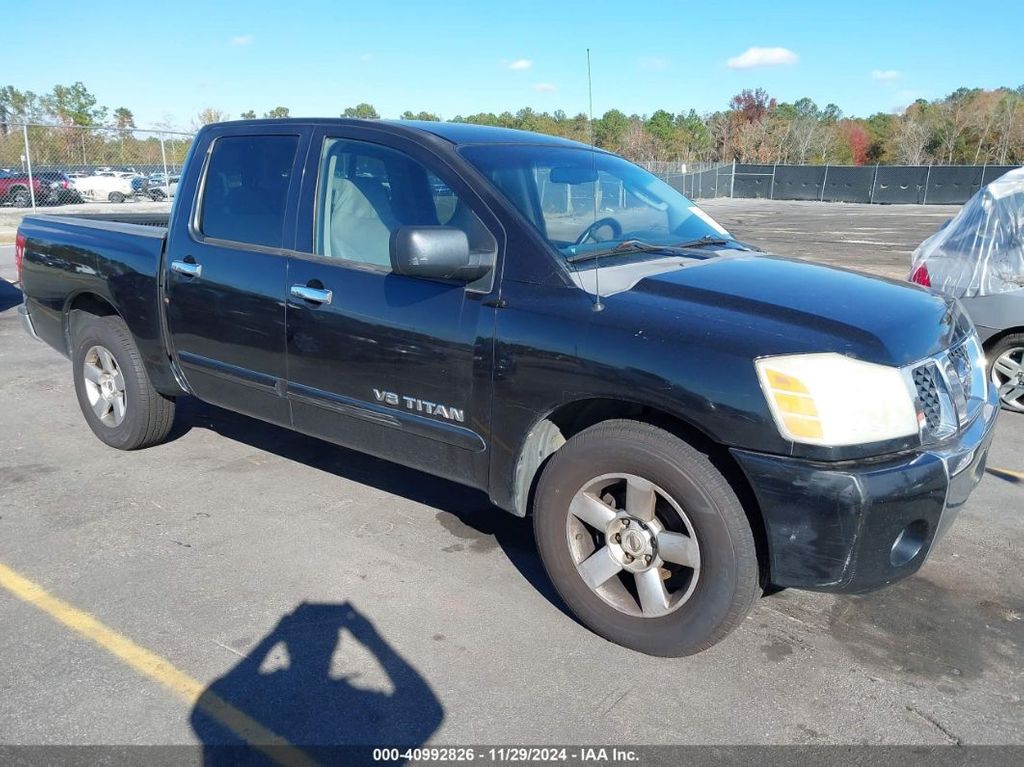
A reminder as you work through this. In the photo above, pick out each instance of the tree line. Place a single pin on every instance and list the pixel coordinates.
(968, 126)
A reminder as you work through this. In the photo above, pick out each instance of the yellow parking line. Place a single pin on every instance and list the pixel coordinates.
(154, 667)
(1006, 473)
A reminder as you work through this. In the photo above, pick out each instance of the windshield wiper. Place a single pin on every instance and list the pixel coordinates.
(626, 246)
(707, 239)
(639, 246)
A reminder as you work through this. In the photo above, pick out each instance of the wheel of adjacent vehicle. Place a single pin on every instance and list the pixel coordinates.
(645, 540)
(116, 197)
(115, 394)
(21, 197)
(1006, 370)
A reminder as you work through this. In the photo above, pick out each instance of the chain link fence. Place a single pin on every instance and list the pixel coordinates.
(884, 184)
(50, 165)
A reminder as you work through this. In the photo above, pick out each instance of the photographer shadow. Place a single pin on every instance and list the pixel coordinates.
(327, 684)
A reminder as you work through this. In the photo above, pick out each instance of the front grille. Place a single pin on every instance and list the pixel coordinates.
(961, 360)
(950, 388)
(928, 395)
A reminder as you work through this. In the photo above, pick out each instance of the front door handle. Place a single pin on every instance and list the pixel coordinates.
(314, 295)
(187, 268)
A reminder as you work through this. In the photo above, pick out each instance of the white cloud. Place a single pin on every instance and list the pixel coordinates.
(518, 64)
(885, 75)
(762, 57)
(545, 87)
(655, 63)
(242, 40)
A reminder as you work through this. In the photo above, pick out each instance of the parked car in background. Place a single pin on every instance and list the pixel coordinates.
(18, 189)
(115, 186)
(162, 191)
(60, 188)
(978, 257)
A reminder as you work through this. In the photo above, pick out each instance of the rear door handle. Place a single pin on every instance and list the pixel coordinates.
(186, 268)
(314, 295)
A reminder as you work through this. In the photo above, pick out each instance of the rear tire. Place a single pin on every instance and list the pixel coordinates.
(21, 197)
(116, 197)
(685, 510)
(1006, 371)
(117, 399)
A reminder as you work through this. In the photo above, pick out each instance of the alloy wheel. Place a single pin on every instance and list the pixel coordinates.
(104, 386)
(1008, 377)
(633, 545)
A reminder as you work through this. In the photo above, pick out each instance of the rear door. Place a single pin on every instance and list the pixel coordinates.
(389, 364)
(226, 281)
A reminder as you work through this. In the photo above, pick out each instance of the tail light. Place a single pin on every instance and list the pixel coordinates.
(921, 276)
(19, 253)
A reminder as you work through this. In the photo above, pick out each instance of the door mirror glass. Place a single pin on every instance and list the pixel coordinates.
(436, 252)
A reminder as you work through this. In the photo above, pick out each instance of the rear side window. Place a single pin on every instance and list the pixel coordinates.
(246, 189)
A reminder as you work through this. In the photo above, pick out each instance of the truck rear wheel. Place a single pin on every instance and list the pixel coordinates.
(117, 399)
(645, 540)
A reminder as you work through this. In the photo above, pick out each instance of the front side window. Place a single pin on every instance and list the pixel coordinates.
(245, 191)
(367, 191)
(583, 201)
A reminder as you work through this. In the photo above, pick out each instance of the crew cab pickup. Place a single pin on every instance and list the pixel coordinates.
(687, 420)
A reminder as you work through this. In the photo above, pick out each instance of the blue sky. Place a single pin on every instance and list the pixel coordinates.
(457, 57)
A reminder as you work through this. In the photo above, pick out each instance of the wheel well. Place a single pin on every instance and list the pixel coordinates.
(82, 306)
(993, 340)
(559, 426)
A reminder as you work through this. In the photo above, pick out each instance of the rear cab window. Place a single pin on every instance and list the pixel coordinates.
(245, 189)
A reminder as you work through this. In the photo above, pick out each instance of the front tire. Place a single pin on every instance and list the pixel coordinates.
(1006, 371)
(116, 198)
(114, 392)
(645, 540)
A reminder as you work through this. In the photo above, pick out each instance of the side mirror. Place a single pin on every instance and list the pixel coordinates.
(436, 252)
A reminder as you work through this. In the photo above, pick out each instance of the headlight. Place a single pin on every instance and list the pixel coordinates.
(829, 399)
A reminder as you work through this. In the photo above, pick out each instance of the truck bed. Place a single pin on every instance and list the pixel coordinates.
(148, 218)
(111, 259)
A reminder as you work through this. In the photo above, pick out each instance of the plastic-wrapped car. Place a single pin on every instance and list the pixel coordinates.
(978, 257)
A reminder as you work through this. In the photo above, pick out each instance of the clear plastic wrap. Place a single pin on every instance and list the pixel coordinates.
(981, 250)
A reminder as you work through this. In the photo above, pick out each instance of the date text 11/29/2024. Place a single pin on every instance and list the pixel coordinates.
(503, 754)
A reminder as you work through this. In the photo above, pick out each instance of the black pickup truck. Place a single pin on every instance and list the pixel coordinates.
(688, 421)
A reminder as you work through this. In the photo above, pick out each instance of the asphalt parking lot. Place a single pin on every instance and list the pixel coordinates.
(239, 549)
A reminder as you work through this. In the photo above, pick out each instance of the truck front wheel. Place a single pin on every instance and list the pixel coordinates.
(115, 394)
(645, 540)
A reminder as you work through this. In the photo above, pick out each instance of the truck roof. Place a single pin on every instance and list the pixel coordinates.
(454, 133)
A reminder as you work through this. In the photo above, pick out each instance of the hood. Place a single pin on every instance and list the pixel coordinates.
(789, 306)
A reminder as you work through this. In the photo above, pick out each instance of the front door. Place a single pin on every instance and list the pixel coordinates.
(227, 276)
(389, 364)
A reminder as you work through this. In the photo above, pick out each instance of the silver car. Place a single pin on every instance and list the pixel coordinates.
(978, 257)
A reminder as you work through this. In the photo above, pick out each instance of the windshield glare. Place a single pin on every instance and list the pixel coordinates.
(584, 201)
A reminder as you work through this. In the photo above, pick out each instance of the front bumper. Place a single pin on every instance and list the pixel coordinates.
(861, 525)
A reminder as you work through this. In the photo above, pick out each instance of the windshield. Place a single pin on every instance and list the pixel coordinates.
(583, 201)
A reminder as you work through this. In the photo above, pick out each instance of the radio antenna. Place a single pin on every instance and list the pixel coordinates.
(598, 306)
